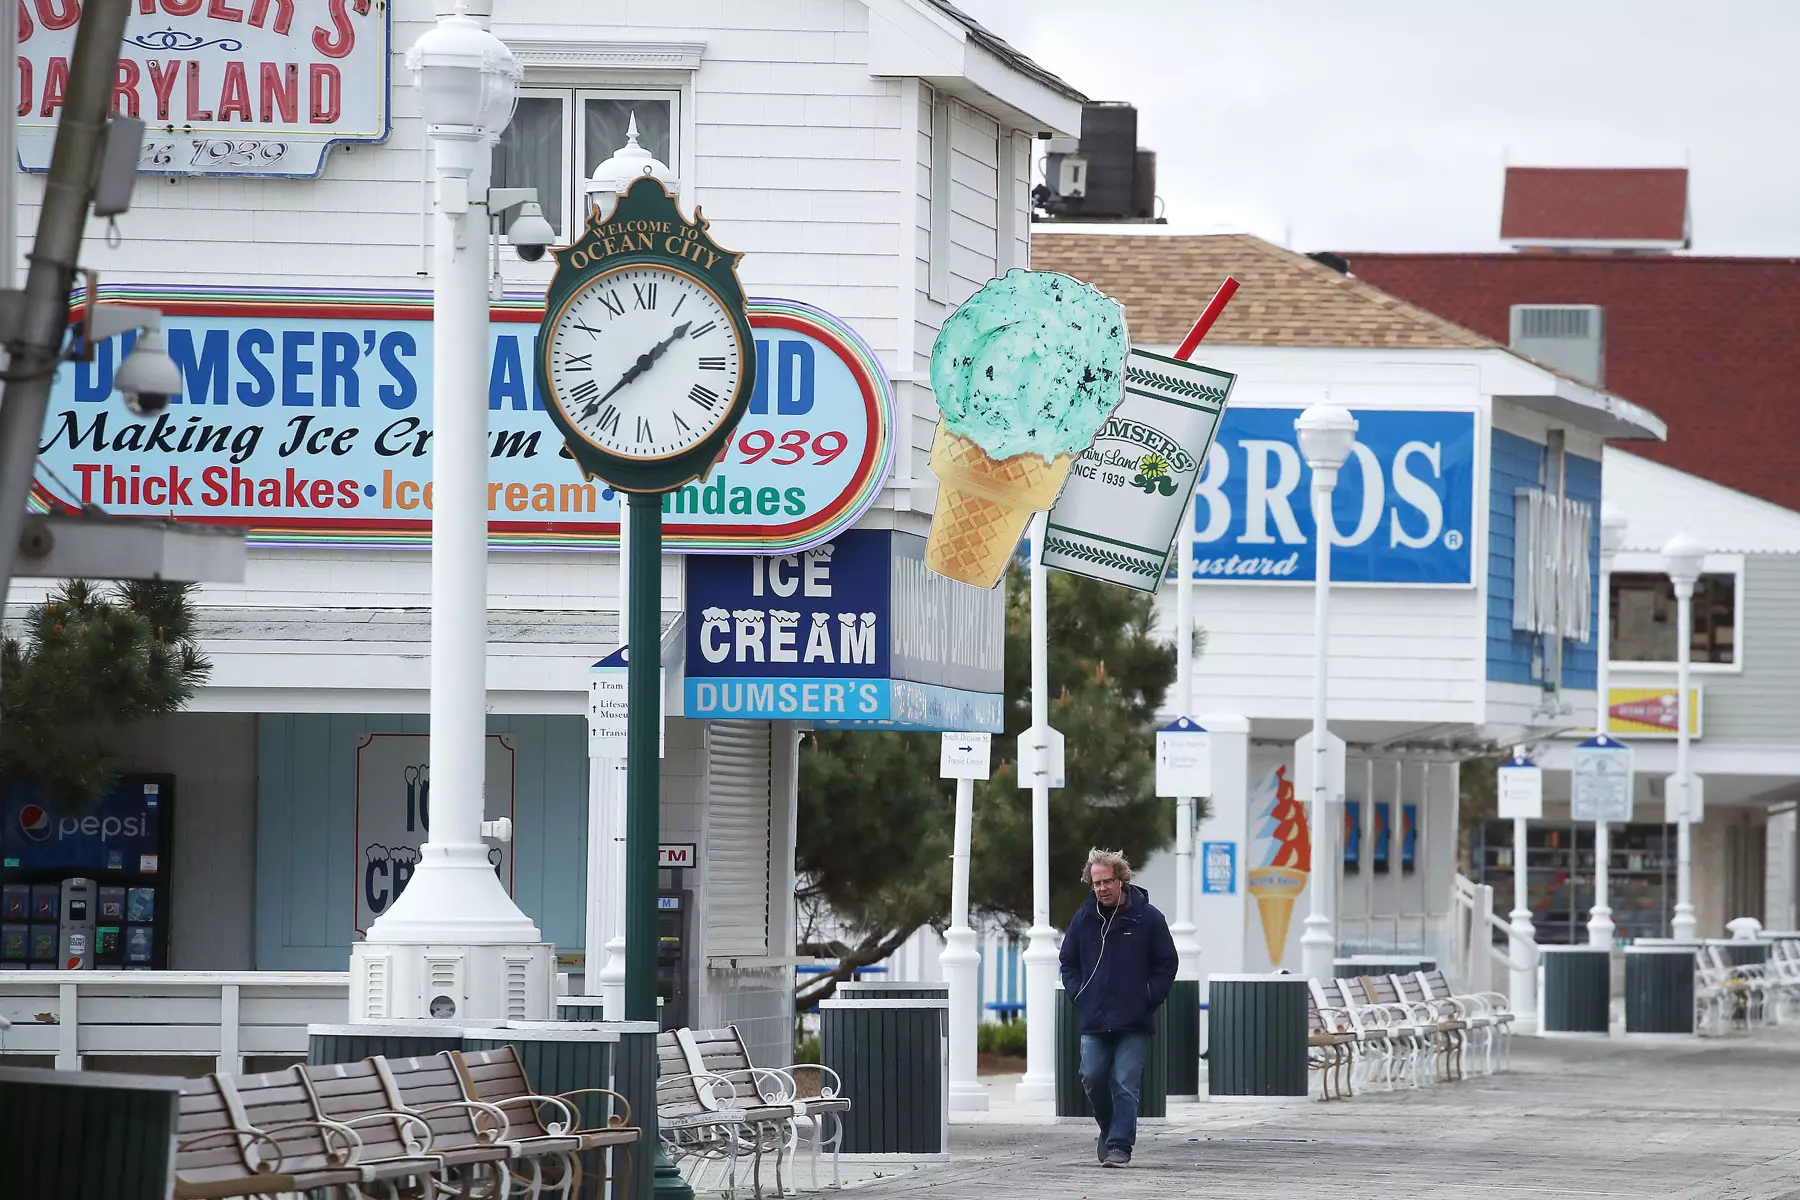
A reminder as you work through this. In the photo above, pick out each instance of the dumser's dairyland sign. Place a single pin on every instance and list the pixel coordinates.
(245, 87)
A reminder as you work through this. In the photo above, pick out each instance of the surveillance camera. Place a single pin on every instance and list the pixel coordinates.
(530, 234)
(148, 378)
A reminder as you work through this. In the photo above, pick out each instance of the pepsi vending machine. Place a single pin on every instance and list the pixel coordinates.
(85, 888)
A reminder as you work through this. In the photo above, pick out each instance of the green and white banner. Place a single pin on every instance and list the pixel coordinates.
(1116, 518)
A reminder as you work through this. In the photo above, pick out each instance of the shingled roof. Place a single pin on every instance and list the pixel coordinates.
(1285, 299)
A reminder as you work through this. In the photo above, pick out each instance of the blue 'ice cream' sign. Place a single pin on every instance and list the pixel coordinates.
(1404, 508)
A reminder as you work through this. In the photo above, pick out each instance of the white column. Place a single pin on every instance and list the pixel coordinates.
(1683, 925)
(1524, 970)
(1318, 944)
(1041, 957)
(611, 978)
(1612, 533)
(961, 962)
(1187, 946)
(454, 896)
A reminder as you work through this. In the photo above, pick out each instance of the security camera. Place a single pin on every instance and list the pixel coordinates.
(148, 378)
(530, 234)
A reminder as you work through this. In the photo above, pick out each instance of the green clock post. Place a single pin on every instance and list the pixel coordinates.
(646, 363)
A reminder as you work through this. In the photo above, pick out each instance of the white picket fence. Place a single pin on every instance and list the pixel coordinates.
(224, 1017)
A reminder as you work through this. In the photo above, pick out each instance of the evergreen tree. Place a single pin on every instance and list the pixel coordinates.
(876, 822)
(92, 658)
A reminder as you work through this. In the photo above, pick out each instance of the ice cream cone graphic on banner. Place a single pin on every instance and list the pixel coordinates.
(1025, 372)
(1283, 858)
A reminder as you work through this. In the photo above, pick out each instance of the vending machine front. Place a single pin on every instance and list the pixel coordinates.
(86, 884)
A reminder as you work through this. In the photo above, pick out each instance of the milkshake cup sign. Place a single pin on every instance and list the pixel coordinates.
(1128, 491)
(1282, 852)
(1025, 373)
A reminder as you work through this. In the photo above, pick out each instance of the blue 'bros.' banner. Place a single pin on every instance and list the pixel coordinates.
(1403, 510)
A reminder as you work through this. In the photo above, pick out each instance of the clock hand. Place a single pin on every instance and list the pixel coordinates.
(644, 363)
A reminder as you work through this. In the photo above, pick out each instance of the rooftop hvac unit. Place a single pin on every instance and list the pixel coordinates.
(1103, 176)
(1569, 337)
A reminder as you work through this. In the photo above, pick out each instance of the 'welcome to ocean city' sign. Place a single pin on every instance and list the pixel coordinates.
(853, 632)
(1403, 510)
(246, 87)
(307, 418)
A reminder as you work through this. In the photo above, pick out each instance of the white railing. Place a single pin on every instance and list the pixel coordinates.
(1473, 953)
(223, 1016)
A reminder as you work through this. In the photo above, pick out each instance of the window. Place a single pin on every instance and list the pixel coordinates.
(559, 135)
(1644, 612)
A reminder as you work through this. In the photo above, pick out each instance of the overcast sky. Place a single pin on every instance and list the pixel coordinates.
(1387, 124)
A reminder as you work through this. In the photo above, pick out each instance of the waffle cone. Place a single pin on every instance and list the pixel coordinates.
(1275, 889)
(983, 504)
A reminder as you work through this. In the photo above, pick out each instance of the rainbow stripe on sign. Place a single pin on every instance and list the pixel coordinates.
(306, 420)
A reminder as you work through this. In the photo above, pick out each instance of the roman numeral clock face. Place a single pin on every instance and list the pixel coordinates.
(644, 363)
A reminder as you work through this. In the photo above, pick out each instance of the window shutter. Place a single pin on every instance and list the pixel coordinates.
(739, 768)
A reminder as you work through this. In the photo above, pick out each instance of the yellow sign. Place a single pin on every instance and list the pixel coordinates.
(1649, 712)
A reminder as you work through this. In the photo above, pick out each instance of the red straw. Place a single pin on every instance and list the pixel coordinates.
(1220, 299)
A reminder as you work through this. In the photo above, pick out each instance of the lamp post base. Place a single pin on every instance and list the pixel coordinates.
(1317, 948)
(1039, 1083)
(669, 1184)
(493, 981)
(1600, 927)
(1683, 928)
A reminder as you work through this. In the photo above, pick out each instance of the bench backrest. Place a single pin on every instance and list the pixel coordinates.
(676, 1094)
(497, 1077)
(1351, 993)
(348, 1091)
(1411, 988)
(1436, 985)
(1383, 989)
(721, 1052)
(431, 1088)
(281, 1105)
(203, 1112)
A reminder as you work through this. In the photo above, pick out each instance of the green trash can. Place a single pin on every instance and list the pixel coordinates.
(1659, 989)
(1179, 1022)
(1071, 1097)
(1577, 989)
(891, 989)
(892, 1054)
(1380, 964)
(1256, 1036)
(89, 1134)
(567, 1056)
(586, 1009)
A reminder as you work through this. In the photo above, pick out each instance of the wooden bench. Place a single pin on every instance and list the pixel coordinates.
(539, 1126)
(700, 1117)
(1330, 1047)
(359, 1095)
(721, 1052)
(1397, 1044)
(1489, 1015)
(281, 1141)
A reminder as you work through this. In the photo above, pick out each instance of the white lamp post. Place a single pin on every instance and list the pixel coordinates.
(1327, 436)
(1039, 1082)
(454, 944)
(1187, 946)
(1612, 536)
(1683, 558)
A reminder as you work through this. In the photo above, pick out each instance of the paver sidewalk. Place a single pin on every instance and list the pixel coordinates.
(1717, 1119)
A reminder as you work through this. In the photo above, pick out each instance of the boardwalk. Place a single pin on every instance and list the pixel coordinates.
(1697, 1120)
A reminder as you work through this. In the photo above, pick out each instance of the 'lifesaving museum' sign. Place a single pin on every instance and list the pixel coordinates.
(307, 419)
(225, 87)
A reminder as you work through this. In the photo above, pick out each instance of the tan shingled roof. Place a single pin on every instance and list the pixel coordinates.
(1286, 299)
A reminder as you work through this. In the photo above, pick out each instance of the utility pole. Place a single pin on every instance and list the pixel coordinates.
(44, 320)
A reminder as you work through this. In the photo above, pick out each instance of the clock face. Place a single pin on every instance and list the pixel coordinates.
(644, 363)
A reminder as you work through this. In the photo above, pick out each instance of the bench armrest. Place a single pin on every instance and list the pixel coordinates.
(340, 1157)
(256, 1166)
(784, 1086)
(827, 1091)
(553, 1126)
(617, 1120)
(703, 1083)
(407, 1123)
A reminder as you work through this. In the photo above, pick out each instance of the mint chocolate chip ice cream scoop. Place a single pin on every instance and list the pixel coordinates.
(1033, 362)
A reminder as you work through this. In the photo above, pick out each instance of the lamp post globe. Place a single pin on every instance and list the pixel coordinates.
(1683, 559)
(1327, 435)
(468, 80)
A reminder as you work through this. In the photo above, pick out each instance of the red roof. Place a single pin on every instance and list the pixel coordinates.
(1707, 344)
(1557, 204)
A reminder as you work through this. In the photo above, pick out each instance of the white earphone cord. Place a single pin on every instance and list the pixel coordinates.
(1105, 929)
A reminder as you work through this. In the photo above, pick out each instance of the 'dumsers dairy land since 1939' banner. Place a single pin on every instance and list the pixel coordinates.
(308, 418)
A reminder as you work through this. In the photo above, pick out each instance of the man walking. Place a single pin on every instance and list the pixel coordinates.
(1118, 963)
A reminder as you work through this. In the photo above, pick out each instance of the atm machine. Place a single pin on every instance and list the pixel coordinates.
(674, 935)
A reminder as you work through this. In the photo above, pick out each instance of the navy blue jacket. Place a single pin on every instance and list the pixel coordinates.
(1118, 969)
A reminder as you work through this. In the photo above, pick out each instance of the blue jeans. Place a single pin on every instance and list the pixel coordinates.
(1112, 1073)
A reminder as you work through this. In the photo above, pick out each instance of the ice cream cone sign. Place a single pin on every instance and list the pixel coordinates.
(1025, 373)
(1283, 857)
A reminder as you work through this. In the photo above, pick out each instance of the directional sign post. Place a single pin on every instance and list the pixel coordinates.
(1521, 795)
(1696, 800)
(1183, 759)
(608, 709)
(1041, 750)
(1521, 790)
(964, 758)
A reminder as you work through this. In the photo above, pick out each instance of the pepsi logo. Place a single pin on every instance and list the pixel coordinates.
(34, 822)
